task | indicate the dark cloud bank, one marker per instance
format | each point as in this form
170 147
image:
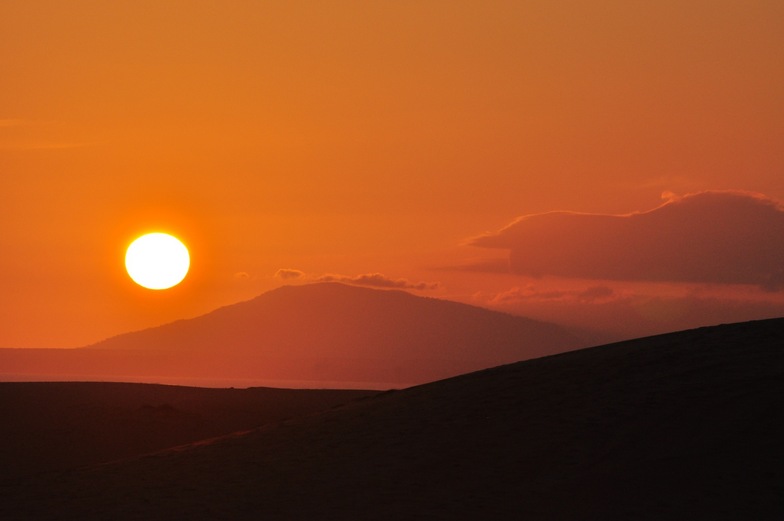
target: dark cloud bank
722 237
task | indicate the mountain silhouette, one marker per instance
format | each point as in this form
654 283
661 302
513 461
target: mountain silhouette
327 332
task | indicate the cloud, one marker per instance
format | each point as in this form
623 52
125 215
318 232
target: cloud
289 274
533 294
481 266
378 280
632 310
724 237
595 293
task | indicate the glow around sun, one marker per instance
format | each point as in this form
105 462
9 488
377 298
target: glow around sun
157 261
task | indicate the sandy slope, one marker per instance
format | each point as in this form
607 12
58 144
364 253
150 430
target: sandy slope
681 426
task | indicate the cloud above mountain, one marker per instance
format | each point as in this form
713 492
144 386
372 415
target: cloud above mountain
378 280
289 274
723 237
373 280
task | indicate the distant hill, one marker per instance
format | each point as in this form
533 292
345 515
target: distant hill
680 426
318 333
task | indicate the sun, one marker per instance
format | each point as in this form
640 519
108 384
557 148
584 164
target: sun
157 261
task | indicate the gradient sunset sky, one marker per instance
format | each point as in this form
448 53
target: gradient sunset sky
409 144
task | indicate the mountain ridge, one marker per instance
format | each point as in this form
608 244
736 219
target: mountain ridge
329 332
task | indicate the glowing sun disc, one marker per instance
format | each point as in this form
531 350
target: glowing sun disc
157 261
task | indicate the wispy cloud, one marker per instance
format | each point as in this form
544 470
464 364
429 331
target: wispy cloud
379 281
531 293
634 310
289 274
376 280
482 266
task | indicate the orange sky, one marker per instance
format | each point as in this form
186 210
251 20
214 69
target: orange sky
350 138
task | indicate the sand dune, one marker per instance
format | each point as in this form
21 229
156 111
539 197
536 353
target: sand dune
681 426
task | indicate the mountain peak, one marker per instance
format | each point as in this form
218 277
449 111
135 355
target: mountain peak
332 332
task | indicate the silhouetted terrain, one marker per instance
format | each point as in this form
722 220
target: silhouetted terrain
58 425
680 426
321 333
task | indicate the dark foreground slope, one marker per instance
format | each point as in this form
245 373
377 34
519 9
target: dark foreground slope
681 426
54 426
318 333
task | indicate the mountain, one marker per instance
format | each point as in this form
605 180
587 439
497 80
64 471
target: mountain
330 333
680 426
